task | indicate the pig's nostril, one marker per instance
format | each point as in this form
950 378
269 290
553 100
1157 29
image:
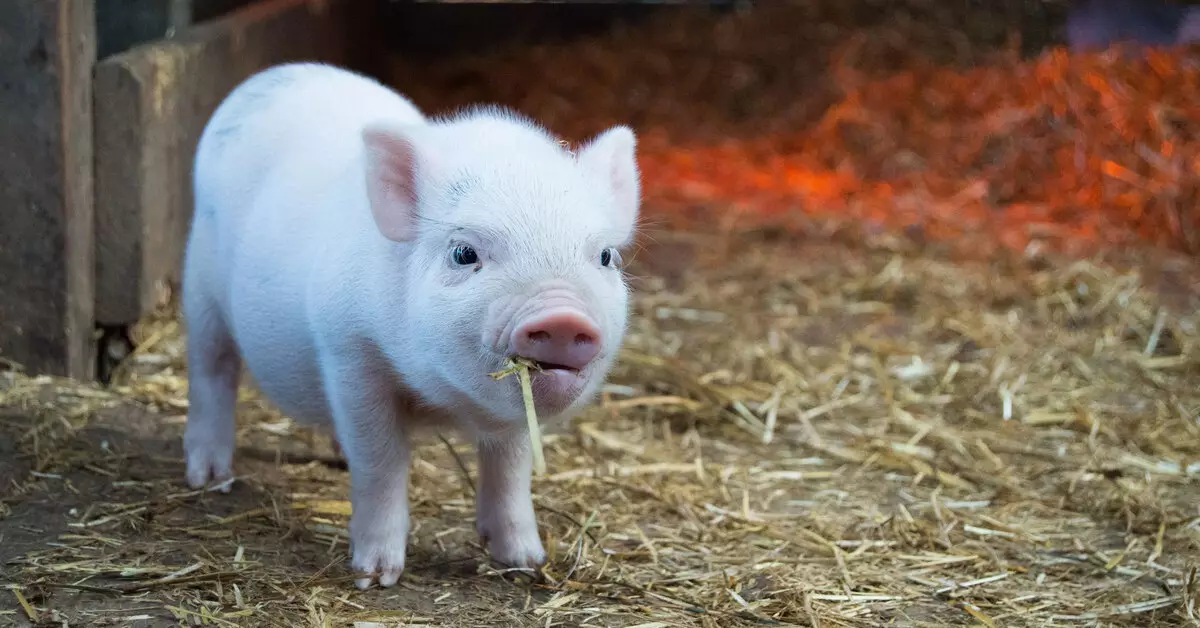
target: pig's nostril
539 336
584 339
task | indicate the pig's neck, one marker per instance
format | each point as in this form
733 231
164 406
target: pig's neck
384 304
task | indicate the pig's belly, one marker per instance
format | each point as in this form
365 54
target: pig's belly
272 334
288 376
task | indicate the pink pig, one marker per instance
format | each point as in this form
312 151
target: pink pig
372 267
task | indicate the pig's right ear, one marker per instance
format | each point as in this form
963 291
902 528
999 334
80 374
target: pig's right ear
392 164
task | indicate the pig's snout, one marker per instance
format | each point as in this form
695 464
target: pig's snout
557 339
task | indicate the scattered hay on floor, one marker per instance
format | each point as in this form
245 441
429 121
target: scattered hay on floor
797 434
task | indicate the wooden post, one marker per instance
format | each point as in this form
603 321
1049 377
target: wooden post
47 50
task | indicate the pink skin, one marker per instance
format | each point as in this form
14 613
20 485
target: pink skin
558 337
563 342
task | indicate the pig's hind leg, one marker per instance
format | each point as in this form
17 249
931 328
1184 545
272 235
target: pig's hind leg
214 368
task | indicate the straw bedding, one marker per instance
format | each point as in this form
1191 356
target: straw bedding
799 433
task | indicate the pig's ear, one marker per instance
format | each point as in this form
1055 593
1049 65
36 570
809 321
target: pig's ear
613 155
393 162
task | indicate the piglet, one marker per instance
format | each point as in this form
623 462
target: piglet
1097 24
371 267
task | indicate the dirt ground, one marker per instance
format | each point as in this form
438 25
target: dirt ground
893 489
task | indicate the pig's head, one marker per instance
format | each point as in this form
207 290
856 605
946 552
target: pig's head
513 250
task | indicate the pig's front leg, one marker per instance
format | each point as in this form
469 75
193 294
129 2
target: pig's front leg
504 508
377 452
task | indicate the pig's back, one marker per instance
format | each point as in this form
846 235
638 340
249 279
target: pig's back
289 117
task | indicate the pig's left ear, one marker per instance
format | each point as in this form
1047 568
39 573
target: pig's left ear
393 167
613 155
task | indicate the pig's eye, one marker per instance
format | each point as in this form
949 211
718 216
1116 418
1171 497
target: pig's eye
464 255
609 256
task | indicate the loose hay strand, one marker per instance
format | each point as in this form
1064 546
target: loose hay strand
521 367
30 612
535 432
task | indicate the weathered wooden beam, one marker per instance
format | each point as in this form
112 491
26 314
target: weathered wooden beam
152 103
47 51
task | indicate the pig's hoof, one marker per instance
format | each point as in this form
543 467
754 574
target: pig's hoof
207 463
382 559
378 551
516 549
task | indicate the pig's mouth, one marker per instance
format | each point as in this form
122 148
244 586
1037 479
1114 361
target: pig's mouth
551 366
555 385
